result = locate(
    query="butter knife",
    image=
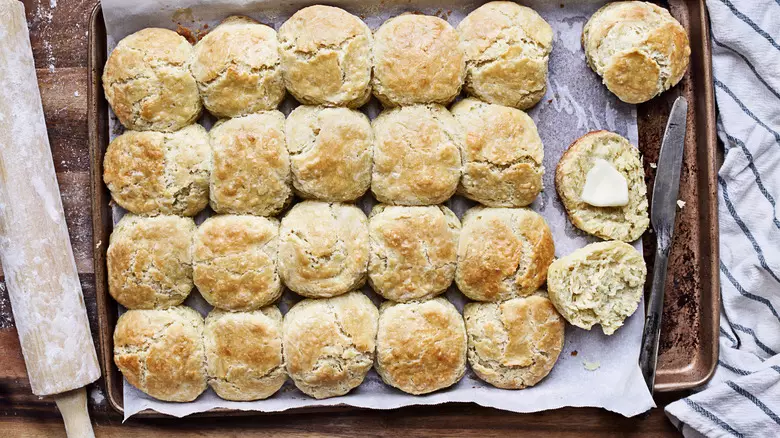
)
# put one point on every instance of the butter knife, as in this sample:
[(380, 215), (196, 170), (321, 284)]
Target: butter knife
[(662, 216)]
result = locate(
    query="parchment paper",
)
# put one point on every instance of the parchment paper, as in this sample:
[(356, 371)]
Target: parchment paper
[(593, 369)]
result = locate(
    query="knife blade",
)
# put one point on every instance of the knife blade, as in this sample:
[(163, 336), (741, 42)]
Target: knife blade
[(663, 212)]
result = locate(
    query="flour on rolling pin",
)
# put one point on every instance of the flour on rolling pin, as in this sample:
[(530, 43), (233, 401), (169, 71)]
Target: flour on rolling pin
[(37, 258)]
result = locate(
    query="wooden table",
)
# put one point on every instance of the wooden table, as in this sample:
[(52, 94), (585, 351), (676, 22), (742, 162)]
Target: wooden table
[(59, 38)]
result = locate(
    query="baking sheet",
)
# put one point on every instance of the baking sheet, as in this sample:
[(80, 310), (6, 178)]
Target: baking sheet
[(593, 369)]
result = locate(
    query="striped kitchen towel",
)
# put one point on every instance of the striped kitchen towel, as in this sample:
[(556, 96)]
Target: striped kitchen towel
[(743, 398)]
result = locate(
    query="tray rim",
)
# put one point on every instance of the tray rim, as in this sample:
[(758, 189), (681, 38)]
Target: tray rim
[(97, 105)]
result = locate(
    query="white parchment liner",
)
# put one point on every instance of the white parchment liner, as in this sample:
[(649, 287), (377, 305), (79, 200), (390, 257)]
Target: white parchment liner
[(576, 103)]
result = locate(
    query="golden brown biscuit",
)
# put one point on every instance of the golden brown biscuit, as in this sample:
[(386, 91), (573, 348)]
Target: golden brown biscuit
[(600, 283), (626, 223), (148, 83), (234, 261), (503, 253), (507, 48), (159, 173), (323, 249), (420, 346), (251, 165), (244, 359), (638, 48), (237, 68), (515, 343), (416, 155), (502, 155), (417, 59), (330, 152), (149, 261), (326, 57), (413, 251), (329, 343), (161, 352)]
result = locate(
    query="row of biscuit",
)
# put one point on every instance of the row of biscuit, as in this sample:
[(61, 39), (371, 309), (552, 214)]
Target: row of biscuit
[(500, 257), (320, 250), (412, 155), (156, 80), (327, 346)]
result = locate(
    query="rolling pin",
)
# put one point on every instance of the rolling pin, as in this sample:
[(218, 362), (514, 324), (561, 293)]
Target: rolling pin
[(37, 258)]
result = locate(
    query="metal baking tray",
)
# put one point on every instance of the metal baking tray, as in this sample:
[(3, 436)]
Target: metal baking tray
[(689, 341)]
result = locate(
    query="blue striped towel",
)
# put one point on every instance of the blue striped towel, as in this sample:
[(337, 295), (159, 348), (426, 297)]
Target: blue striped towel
[(743, 398)]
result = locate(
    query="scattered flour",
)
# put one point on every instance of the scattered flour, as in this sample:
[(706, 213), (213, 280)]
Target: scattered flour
[(610, 114), (97, 396), (47, 197), (594, 118), (563, 100), (568, 34)]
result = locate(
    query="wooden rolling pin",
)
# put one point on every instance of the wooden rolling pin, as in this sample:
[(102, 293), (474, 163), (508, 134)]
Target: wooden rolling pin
[(40, 271)]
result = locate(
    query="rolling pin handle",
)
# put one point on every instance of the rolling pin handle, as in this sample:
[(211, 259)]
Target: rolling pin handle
[(73, 408)]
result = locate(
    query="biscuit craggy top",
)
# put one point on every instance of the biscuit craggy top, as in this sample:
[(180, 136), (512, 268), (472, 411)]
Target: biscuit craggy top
[(237, 67), (148, 83), (326, 57), (638, 48), (417, 59), (507, 48)]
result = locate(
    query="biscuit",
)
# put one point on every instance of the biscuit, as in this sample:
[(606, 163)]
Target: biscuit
[(161, 352), (329, 343), (637, 48), (149, 261), (413, 251), (159, 173), (417, 59), (416, 155), (148, 83), (601, 283), (515, 343), (507, 48), (238, 69), (323, 249), (244, 359), (502, 155), (503, 253), (626, 223), (251, 165), (326, 57), (234, 261), (420, 346), (330, 152)]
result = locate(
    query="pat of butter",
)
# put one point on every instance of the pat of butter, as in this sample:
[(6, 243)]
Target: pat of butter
[(605, 186)]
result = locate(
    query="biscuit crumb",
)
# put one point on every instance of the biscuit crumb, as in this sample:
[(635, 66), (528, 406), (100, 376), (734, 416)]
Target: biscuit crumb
[(680, 203), (591, 366), (97, 245), (653, 166)]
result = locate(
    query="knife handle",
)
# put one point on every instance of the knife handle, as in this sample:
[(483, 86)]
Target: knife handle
[(648, 356)]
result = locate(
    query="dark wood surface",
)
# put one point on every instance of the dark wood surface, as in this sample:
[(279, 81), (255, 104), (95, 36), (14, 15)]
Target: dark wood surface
[(58, 32)]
